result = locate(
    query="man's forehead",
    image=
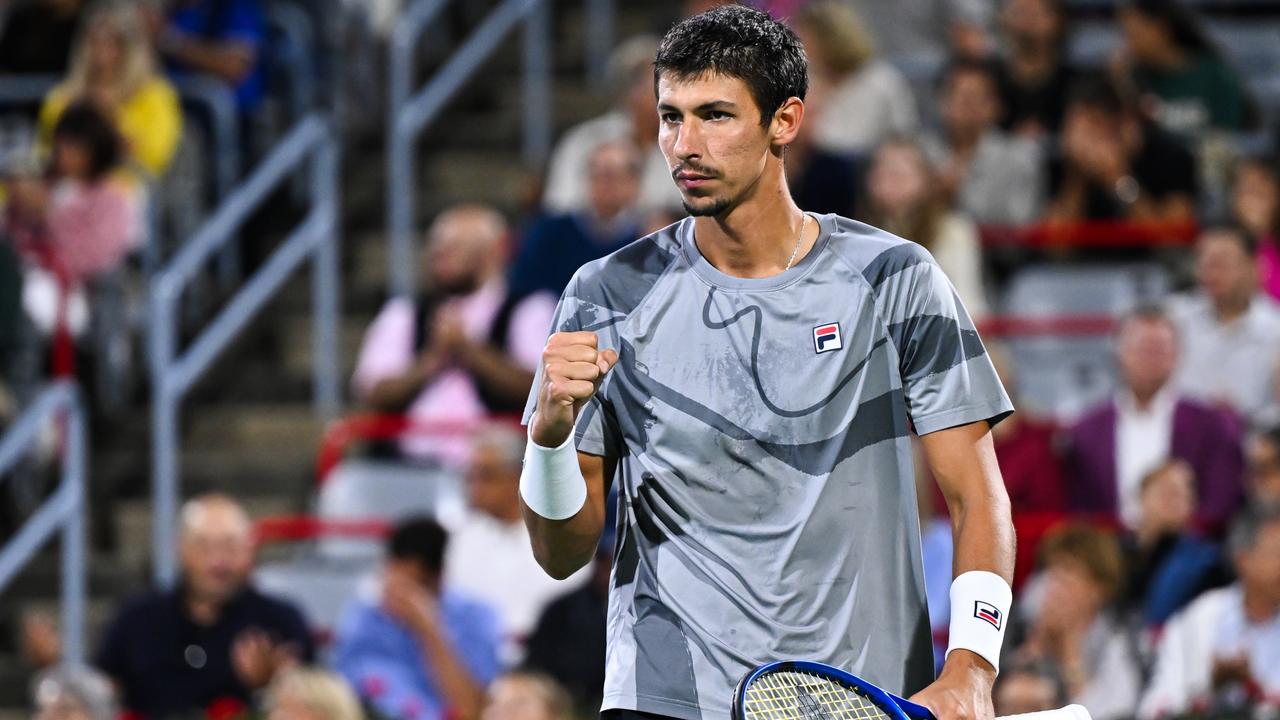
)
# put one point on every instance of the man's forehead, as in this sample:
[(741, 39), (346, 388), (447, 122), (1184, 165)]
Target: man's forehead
[(706, 87)]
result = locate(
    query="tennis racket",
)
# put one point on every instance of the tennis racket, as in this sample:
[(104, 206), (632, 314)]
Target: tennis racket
[(800, 690)]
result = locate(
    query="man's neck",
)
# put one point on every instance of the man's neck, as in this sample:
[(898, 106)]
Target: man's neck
[(756, 238), (202, 611), (1232, 308), (1260, 607), (1032, 61), (1144, 400), (964, 143)]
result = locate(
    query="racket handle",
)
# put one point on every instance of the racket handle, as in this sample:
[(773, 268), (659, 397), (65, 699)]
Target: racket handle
[(1070, 712)]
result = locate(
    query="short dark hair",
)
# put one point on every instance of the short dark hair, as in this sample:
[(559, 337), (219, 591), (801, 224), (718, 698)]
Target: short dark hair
[(1098, 91), (961, 64), (420, 539), (1150, 312), (740, 42), (1248, 524), (1237, 232), (83, 123)]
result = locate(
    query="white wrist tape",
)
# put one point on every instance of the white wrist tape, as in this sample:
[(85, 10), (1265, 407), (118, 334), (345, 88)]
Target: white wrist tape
[(551, 482), (980, 604)]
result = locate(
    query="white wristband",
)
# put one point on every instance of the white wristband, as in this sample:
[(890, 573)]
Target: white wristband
[(980, 604), (551, 482)]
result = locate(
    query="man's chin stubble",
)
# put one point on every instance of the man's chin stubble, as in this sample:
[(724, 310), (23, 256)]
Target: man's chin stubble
[(718, 207)]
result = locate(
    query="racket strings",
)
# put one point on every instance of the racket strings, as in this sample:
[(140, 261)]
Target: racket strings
[(790, 695)]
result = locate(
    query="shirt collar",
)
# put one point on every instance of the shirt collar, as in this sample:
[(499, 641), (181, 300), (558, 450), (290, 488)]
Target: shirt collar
[(1161, 404)]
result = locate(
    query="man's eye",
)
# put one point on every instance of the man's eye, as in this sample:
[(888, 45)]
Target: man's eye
[(718, 115), (670, 117)]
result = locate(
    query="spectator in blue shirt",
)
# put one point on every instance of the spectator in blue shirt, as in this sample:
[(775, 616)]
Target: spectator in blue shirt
[(413, 650), (223, 38), (557, 245)]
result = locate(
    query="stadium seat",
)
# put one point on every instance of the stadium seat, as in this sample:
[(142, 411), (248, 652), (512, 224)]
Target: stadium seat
[(319, 586), (364, 489), (1073, 373)]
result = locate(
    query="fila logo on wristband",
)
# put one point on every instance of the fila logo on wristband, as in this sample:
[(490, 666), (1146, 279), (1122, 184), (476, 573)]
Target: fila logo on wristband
[(988, 612)]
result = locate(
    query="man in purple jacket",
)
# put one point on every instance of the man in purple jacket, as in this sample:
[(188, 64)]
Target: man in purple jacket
[(1113, 446)]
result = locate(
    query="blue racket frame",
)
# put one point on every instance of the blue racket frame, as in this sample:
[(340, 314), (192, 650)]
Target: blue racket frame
[(895, 707)]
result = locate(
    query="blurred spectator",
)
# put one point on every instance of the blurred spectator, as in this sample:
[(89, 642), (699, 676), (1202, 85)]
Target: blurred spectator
[(525, 695), (213, 638), (928, 28), (1112, 447), (1024, 687), (863, 100), (1168, 55), (557, 245), (82, 220), (1115, 165), (1262, 473), (1225, 647), (413, 649), (36, 37), (113, 67), (903, 198), (1168, 564), (298, 694), (223, 38), (74, 693), (821, 181), (633, 119), (490, 557), (465, 347), (1034, 75), (1025, 449), (1074, 626), (992, 177), (568, 642), (1255, 205), (1229, 332)]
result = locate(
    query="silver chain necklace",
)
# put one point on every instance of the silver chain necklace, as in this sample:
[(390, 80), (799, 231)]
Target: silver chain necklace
[(799, 238)]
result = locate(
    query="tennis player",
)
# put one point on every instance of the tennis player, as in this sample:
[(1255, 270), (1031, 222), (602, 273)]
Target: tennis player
[(751, 376)]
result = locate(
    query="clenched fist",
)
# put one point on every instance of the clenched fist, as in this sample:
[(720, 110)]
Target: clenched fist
[(572, 369)]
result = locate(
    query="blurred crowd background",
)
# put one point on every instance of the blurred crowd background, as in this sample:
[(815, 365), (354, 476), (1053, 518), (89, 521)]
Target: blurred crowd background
[(1096, 177)]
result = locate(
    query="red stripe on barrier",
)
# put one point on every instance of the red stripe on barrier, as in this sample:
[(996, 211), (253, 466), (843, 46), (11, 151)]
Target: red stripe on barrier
[(341, 434), (1093, 234), (1005, 326), (300, 528)]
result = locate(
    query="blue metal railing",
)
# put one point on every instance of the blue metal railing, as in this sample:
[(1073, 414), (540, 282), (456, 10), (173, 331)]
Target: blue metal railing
[(63, 513), (410, 114), (173, 372)]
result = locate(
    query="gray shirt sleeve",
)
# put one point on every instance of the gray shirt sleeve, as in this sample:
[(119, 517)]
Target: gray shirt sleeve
[(947, 377), (596, 431)]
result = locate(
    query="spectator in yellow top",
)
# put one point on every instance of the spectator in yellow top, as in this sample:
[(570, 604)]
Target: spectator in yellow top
[(113, 66)]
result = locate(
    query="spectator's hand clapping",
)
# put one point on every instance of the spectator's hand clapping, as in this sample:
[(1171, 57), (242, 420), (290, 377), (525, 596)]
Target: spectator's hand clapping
[(256, 659), (447, 332)]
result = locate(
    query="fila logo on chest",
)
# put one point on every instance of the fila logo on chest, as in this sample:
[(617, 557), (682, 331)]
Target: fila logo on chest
[(826, 338)]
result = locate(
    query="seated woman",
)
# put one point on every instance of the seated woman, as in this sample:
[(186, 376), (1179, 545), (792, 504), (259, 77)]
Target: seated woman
[(1074, 626), (903, 197), (113, 67), (863, 100)]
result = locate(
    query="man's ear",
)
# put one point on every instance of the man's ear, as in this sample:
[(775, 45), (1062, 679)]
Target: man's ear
[(786, 122)]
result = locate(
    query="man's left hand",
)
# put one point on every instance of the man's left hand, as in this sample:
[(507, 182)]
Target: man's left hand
[(962, 691)]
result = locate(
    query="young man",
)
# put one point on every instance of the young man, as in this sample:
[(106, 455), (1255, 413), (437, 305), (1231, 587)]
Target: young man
[(750, 376)]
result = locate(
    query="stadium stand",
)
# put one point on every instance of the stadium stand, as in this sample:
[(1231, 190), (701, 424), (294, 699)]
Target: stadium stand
[(242, 394)]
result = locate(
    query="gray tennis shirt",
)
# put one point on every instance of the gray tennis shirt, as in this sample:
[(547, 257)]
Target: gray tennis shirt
[(767, 503)]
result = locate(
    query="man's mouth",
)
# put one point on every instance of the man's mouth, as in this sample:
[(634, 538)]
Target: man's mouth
[(690, 180)]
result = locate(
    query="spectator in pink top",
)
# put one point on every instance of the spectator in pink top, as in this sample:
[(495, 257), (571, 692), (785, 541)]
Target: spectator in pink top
[(81, 220), (1255, 205), (465, 348)]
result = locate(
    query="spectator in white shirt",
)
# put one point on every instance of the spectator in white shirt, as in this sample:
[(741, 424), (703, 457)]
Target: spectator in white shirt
[(1229, 330), (1225, 647), (489, 556), (633, 119), (864, 100)]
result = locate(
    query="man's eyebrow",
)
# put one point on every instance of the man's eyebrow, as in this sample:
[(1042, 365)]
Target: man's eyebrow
[(704, 107)]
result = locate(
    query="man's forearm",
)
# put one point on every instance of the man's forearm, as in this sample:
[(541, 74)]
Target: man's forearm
[(461, 693), (496, 371), (564, 546)]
